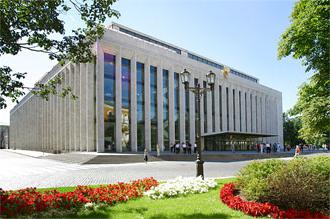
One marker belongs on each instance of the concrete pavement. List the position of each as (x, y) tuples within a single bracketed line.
[(20, 171)]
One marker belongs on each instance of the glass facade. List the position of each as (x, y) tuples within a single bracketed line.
[(140, 105), (126, 103), (109, 101), (211, 142), (153, 106), (166, 135), (176, 107)]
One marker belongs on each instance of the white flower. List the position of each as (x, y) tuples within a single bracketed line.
[(89, 205), (181, 186)]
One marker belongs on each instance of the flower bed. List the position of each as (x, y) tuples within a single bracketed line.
[(181, 186), (29, 200), (227, 195)]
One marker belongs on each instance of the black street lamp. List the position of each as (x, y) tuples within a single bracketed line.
[(198, 91)]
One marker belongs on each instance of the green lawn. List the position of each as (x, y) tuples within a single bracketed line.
[(206, 205)]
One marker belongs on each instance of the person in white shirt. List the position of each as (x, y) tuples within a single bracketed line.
[(177, 148), (184, 147)]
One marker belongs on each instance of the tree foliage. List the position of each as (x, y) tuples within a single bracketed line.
[(291, 128), (39, 26), (307, 39)]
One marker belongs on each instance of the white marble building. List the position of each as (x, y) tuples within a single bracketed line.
[(132, 98)]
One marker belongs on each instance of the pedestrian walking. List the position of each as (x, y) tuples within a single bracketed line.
[(268, 148), (195, 148), (297, 151), (145, 155), (189, 147)]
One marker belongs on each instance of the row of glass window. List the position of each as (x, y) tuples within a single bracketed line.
[(110, 97), (109, 105)]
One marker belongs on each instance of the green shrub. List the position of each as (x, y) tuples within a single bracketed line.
[(304, 183), (253, 179)]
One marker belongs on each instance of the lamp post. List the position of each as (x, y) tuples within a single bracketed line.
[(198, 91)]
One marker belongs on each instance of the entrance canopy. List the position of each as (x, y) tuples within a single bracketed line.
[(225, 141)]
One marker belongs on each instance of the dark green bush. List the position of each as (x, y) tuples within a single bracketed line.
[(304, 183), (253, 179)]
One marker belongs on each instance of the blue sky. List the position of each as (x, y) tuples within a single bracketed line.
[(241, 34)]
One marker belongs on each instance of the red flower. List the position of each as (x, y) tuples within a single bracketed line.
[(27, 201), (262, 209)]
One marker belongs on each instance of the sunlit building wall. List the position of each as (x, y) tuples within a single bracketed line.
[(131, 98)]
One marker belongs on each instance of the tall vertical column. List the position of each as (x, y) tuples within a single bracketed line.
[(99, 98), (237, 110), (66, 108), (243, 110), (216, 107), (273, 115), (201, 107), (171, 106), (209, 107), (248, 112), (253, 103), (90, 106), (50, 125), (160, 134), (267, 114), (271, 108), (256, 103), (77, 107), (192, 116), (61, 132), (118, 112), (280, 120), (231, 108), (72, 109), (224, 107), (59, 121), (133, 113), (259, 114), (83, 125), (263, 114), (275, 119), (182, 112), (147, 105)]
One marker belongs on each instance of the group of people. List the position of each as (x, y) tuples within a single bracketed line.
[(268, 147), (185, 147)]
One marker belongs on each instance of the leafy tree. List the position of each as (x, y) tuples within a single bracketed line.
[(307, 39), (291, 127), (39, 26)]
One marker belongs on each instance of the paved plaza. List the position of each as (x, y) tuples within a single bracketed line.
[(20, 171)]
